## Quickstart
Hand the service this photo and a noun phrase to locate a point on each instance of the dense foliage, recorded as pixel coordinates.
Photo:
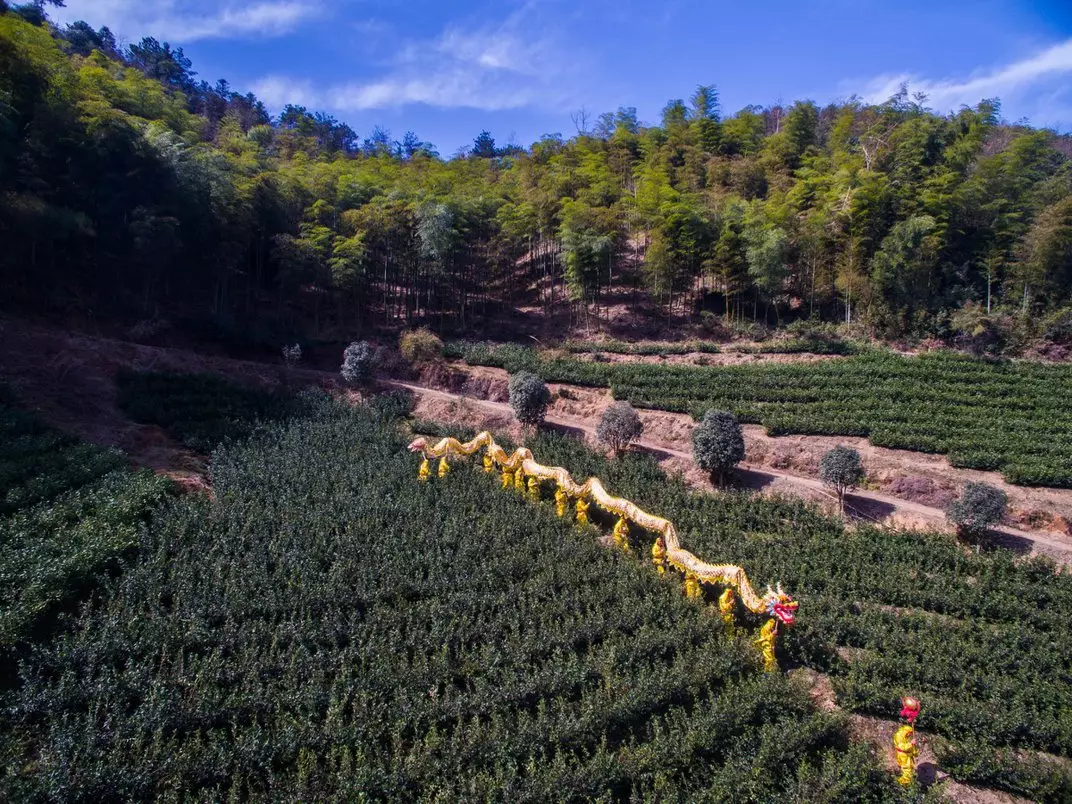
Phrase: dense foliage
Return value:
(619, 426)
(358, 363)
(980, 638)
(202, 410)
(842, 468)
(529, 397)
(67, 511)
(128, 187)
(420, 345)
(330, 627)
(1013, 417)
(979, 506)
(718, 443)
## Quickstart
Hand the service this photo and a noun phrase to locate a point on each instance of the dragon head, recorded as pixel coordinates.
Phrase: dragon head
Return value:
(909, 709)
(418, 445)
(780, 605)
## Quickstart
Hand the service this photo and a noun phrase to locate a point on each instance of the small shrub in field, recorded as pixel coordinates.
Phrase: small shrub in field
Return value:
(358, 363)
(977, 509)
(718, 444)
(292, 355)
(529, 397)
(619, 426)
(841, 468)
(421, 346)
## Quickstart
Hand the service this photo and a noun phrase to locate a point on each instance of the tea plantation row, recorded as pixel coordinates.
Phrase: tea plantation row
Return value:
(329, 627)
(981, 638)
(68, 510)
(1013, 417)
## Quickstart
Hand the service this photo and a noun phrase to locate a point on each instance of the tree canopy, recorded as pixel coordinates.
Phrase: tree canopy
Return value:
(129, 188)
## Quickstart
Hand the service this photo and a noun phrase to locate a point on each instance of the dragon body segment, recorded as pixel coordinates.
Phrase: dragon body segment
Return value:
(774, 602)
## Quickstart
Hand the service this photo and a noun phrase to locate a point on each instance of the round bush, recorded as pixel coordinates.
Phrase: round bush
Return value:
(718, 443)
(977, 508)
(842, 468)
(358, 363)
(619, 426)
(420, 346)
(529, 397)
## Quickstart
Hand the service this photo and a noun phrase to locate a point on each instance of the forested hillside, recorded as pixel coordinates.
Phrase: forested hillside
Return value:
(132, 191)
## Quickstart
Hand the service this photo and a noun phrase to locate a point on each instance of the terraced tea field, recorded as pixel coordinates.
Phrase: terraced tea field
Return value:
(1013, 417)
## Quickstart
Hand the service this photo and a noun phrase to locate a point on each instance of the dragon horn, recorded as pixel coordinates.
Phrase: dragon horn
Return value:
(780, 592)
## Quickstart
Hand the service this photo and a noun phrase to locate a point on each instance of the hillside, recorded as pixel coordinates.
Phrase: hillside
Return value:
(130, 192)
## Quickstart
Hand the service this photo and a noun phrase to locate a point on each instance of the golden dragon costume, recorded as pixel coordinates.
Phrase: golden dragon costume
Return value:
(774, 602)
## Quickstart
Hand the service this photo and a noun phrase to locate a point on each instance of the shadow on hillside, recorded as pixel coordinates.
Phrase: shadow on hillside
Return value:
(1008, 541)
(867, 509)
(565, 429)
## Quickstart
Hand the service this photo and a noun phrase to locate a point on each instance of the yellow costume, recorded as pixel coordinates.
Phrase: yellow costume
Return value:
(726, 601)
(765, 641)
(561, 501)
(534, 489)
(692, 586)
(621, 534)
(582, 512)
(519, 479)
(444, 467)
(904, 743)
(489, 464)
(658, 555)
(507, 478)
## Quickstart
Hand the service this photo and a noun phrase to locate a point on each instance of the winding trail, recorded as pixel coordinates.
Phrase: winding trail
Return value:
(1054, 546)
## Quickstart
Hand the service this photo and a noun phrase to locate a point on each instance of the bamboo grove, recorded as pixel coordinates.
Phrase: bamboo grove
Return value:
(128, 189)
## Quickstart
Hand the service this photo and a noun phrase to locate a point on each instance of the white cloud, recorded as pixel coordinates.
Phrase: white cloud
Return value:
(515, 63)
(190, 21)
(1009, 82)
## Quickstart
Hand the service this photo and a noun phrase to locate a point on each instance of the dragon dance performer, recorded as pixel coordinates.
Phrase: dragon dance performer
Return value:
(507, 478)
(582, 512)
(561, 501)
(726, 602)
(765, 641)
(534, 489)
(658, 555)
(692, 586)
(444, 467)
(621, 534)
(489, 464)
(904, 741)
(519, 479)
(425, 471)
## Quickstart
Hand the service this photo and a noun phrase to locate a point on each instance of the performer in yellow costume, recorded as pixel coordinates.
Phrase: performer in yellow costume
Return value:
(692, 586)
(507, 478)
(561, 501)
(444, 467)
(904, 741)
(658, 555)
(534, 489)
(765, 641)
(519, 479)
(621, 534)
(726, 602)
(489, 464)
(425, 471)
(582, 512)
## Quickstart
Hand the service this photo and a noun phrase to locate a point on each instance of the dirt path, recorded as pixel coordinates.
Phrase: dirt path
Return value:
(871, 505)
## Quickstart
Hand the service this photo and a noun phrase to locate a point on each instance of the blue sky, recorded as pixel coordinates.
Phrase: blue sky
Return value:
(448, 69)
